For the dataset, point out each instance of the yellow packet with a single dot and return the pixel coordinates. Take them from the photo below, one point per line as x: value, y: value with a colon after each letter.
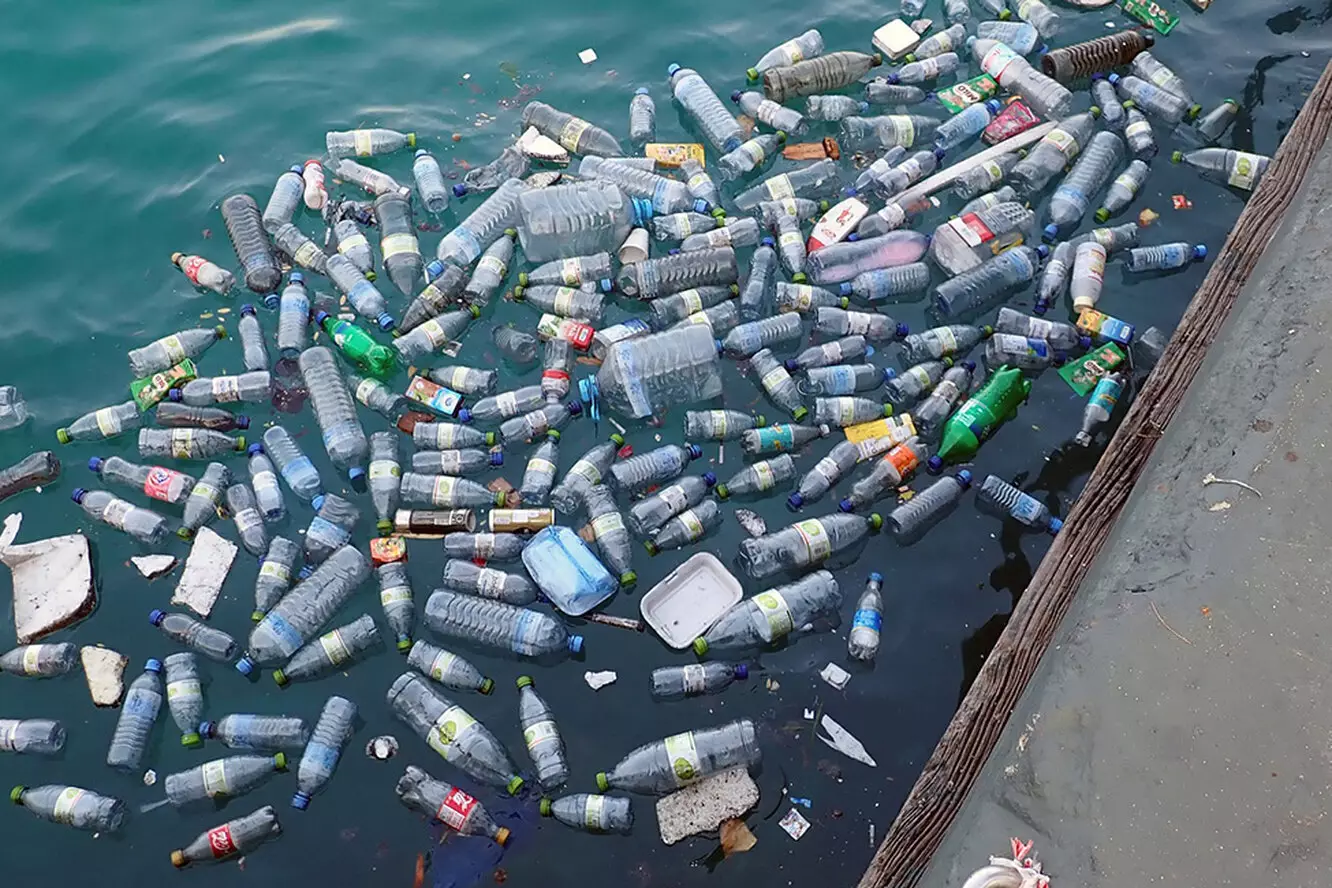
x: 899, y: 428
x: 673, y: 154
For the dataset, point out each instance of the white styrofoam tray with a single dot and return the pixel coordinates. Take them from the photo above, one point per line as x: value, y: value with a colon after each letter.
x: 690, y: 599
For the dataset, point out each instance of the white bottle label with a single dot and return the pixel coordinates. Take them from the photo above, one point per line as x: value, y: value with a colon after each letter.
x: 571, y: 273
x: 9, y: 734
x: 541, y: 734
x: 334, y: 647
x: 275, y: 570
x: 442, y: 493
x: 1245, y: 170
x: 214, y: 775
x: 817, y: 542
x: 182, y: 444
x: 765, y: 478
x: 563, y: 304
x: 116, y: 513
x: 184, y: 689
x: 693, y: 525
x: 587, y: 470
x: 439, y: 667
x: 682, y: 753
x: 108, y: 423
x: 450, y: 725
x: 395, y: 594
x: 607, y: 524
x: 773, y: 607
x: 779, y: 187
x: 594, y: 812
x: 694, y: 677
x: 65, y: 803
x: 383, y: 468
x: 674, y: 497
x: 361, y: 143
x: 490, y: 583
x: 226, y: 389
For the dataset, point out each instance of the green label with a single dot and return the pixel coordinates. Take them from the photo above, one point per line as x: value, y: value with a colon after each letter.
x: 1151, y: 14
x: 962, y: 95
x: 152, y: 389
x: 1083, y: 374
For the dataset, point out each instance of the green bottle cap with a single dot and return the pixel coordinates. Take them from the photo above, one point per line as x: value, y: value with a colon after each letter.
x: 544, y: 807
x: 404, y: 644
x: 191, y: 740
x: 524, y: 681
x: 280, y: 760
x: 220, y: 331
x: 651, y: 548
x: 16, y: 794
x: 603, y: 783
x: 62, y: 435
x: 876, y: 521
x: 256, y: 615
x: 515, y: 784
x: 799, y: 413
x: 1102, y: 214
x: 628, y: 578
x: 487, y: 685
x: 752, y: 73
x: 280, y: 677
x: 723, y: 491
x: 700, y: 646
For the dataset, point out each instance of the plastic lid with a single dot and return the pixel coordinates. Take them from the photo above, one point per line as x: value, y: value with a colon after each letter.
x: 934, y: 465
x: 497, y: 458
x: 62, y: 435
x: 702, y: 206
x: 174, y: 395
x: 672, y: 68
x: 628, y: 578
x: 256, y: 615
x: 300, y: 801
x: 296, y: 278
x: 405, y: 643
x: 16, y: 794
x: 1055, y: 525
x: 487, y: 685
x: 153, y: 665
x: 723, y: 491
x: 700, y: 646
x: 386, y: 322
x: 318, y: 502
x: 875, y: 577
x: 1112, y: 77
x: 95, y: 464
x: 710, y: 478
x: 791, y: 364
x: 544, y: 807
x: 254, y: 448
x: 603, y: 783
x: 1043, y: 251
x: 77, y: 494
x: 794, y: 501
x: 156, y: 616
x: 208, y: 729
x: 606, y: 285
x: 464, y: 415
x: 875, y: 521
x: 515, y: 784
x: 575, y: 644
x: 617, y: 438
x: 247, y: 309
x: 1102, y: 214
x: 1193, y: 112
x: 1085, y: 342
x: 735, y: 93
x: 850, y: 191
x: 1050, y: 232
x: 1200, y: 252
x: 964, y: 478
x: 184, y: 533
x: 178, y: 859
x: 242, y: 421
x: 799, y: 278
x: 321, y: 316
x: 281, y: 761
x: 994, y: 105
x: 641, y: 91
x: 652, y: 548
x: 1176, y: 156
x: 522, y: 280
x: 938, y: 154
x: 846, y: 506
x: 191, y: 739
x: 524, y: 681
x: 245, y: 666
x: 903, y: 331
x: 799, y: 413
x: 574, y: 408
x: 220, y: 331
x: 695, y: 451
x: 552, y: 435
x: 421, y: 152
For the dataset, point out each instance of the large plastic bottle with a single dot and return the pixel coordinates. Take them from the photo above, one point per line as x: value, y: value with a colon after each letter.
x: 965, y: 242
x: 681, y: 759
x: 165, y: 353
x: 184, y: 696
x: 1048, y: 98
x: 769, y: 113
x: 497, y: 625
x: 31, y: 736
x: 72, y: 806
x: 664, y: 196
x: 260, y: 733
x: 254, y: 387
x: 452, y: 732
x: 590, y: 812
x: 210, y: 641
x: 575, y: 134
x: 1037, y: 14
x: 223, y: 778
x: 671, y: 274
x: 878, y: 134
x: 738, y: 231
x: 940, y: 342
x: 297, y: 470
x: 344, y: 439
x: 826, y: 73
x: 804, y: 544
x: 819, y: 179
x: 143, y: 524
x: 239, y: 836
x: 831, y: 469
x: 1123, y: 189
x: 645, y: 376
x: 768, y: 474
x: 138, y: 714
x: 699, y: 101
x: 157, y: 482
x: 653, y: 467
x: 976, y: 289
x: 449, y: 805
x: 331, y: 651
x: 1153, y: 99
x: 40, y: 660
x: 770, y: 616
x: 398, y: 244
x: 331, y: 527
x: 305, y: 609
x: 914, y: 518
x: 180, y: 416
x: 609, y: 532
x: 1238, y: 169
x: 447, y: 436
x: 447, y: 668
x: 245, y: 228
x: 808, y: 45
x: 845, y: 379
x: 1056, y: 150
x: 666, y: 310
x: 487, y: 582
x: 584, y: 217
x: 464, y: 244
x: 842, y: 262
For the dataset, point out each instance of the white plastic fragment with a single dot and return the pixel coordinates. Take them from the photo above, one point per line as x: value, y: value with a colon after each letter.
x: 795, y: 825
x: 835, y: 675
x: 205, y: 571
x: 587, y: 56
x: 153, y: 566
x: 53, y: 580
x: 842, y: 740
x: 598, y: 680
x: 539, y: 147
x: 701, y: 807
x: 104, y: 669
x: 149, y: 777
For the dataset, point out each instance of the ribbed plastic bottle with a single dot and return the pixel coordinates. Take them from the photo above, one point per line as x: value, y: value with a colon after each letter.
x: 903, y: 283
x: 277, y: 569
x: 977, y: 288
x: 210, y: 641
x: 963, y: 243
x: 1164, y: 257
x: 1048, y: 98
x: 464, y: 244
x: 449, y: 805
x: 257, y: 733
x: 824, y: 74
x: 138, y: 714
x: 296, y: 468
x: 72, y: 806
x: 835, y: 108
x: 987, y: 176
x: 1238, y: 169
x: 31, y: 736
x: 842, y: 262
x: 769, y: 113
x: 997, y: 497
x: 804, y: 544
x: 542, y: 736
x: 575, y: 134
x: 1153, y: 99
x: 880, y: 92
x: 497, y: 625
x: 695, y: 679
x: 184, y: 697
x: 770, y: 616
x: 320, y: 758
x: 1056, y: 150
x: 180, y: 416
x: 329, y: 652
x: 671, y: 274
x: 819, y: 179
x: 344, y: 439
x: 644, y: 376
x: 1092, y: 170
x: 40, y: 660
x: 245, y: 228
x: 224, y: 778
x: 878, y: 134
x: 487, y: 582
x: 1069, y: 63
x: 862, y: 641
x: 931, y: 413
x: 914, y: 518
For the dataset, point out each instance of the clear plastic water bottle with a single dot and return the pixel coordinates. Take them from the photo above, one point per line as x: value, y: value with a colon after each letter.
x: 31, y: 736
x: 449, y: 805
x: 819, y: 179
x: 286, y: 197
x: 671, y: 274
x: 138, y: 714
x: 738, y: 231
x: 930, y: 414
x: 203, y: 273
x: 248, y: 519
x: 535, y: 424
x: 448, y: 668
x: 1113, y: 115
x: 678, y: 226
x: 965, y: 126
x: 487, y: 582
x: 590, y: 469
x: 542, y: 736
x: 330, y: 529
x: 142, y: 524
x: 1138, y: 133
x: 590, y: 812
x: 293, y: 317
x: 367, y: 142
x: 845, y: 379
x: 904, y: 283
x: 305, y: 609
x: 880, y: 92
x: 1238, y: 169
x: 1037, y: 14
x: 571, y: 272
x: 791, y: 247
x: 644, y: 376
x: 770, y: 616
x: 835, y: 108
x: 539, y: 473
x: 950, y: 39
x: 878, y: 134
x: 694, y: 679
x: 827, y: 472
x: 430, y: 182
x: 364, y: 298
x: 914, y: 518
x: 1064, y: 337
x: 455, y: 462
x: 1048, y: 98
x: 681, y: 759
x: 252, y: 388
x: 767, y: 474
x: 184, y: 696
x: 72, y: 806
x: 1104, y: 153
x: 871, y: 177
x: 213, y: 643
x: 751, y: 155
x: 1149, y: 68
x: 224, y: 778
x: 187, y: 443
x: 180, y: 416
x: 978, y: 287
x: 446, y: 492
x: 157, y: 482
x: 804, y: 544
x: 774, y: 378
x: 608, y: 530
x: 654, y: 467
x: 464, y: 244
x: 1168, y: 106
x: 1088, y: 276
x: 1023, y: 352
x: 297, y: 470
x: 13, y: 408
x: 842, y: 262
x: 748, y: 339
x: 1120, y: 237
x: 449, y: 436
x: 963, y: 243
x: 245, y: 228
x: 987, y: 176
x: 466, y: 380
x: 257, y: 733
x: 398, y: 245
x: 329, y: 652
x: 642, y: 118
x: 165, y: 353
x: 378, y: 397
x: 372, y: 181
x: 769, y: 113
x: 862, y: 642
x: 205, y: 499
x: 512, y: 162
x: 699, y: 101
x: 434, y: 334
x: 889, y: 178
x: 842, y: 412
x: 649, y: 514
x: 824, y: 74
x: 804, y: 299
x: 446, y: 282
x: 1213, y: 125
x: 985, y: 201
x: 904, y: 389
x: 353, y: 245
x: 41, y: 660
x: 567, y: 302
x: 255, y: 355
x: 997, y: 497
x: 344, y: 439
x: 504, y: 405
x: 1164, y: 257
x: 663, y: 195
x: 806, y: 46
x: 925, y: 70
x: 277, y: 569
x: 558, y: 356
x: 667, y: 310
x: 498, y: 625
x: 395, y: 596
x: 1056, y: 150
x: 1123, y: 189
x: 1021, y: 36
x: 575, y: 134
x: 888, y: 474
x: 320, y: 758
x: 700, y: 183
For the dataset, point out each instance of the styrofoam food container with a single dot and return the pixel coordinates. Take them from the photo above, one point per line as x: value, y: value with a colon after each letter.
x: 690, y: 599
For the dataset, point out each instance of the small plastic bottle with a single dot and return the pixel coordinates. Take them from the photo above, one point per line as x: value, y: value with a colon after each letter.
x: 1123, y: 189
x: 395, y: 596
x: 689, y: 526
x: 213, y: 643
x: 330, y: 651
x: 487, y: 582
x: 248, y: 519
x: 108, y: 422
x: 223, y: 778
x: 997, y: 497
x: 320, y: 758
x: 668, y: 764
x: 449, y: 805
x: 1088, y: 276
x: 72, y: 806
x: 694, y: 679
x: 539, y: 473
x: 590, y: 812
x: 259, y: 733
x: 761, y: 476
x: 31, y: 736
x: 143, y: 524
x: 40, y: 660
x: 1164, y: 257
x: 277, y: 569
x: 430, y: 182
x: 779, y: 438
x: 143, y: 701
x: 542, y: 736
x: 642, y: 118
x: 914, y: 518
x: 862, y: 642
x: 204, y: 500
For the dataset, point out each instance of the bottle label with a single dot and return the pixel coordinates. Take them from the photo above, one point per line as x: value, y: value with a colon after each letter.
x: 541, y: 467
x: 507, y: 404
x: 1245, y: 170
x: 542, y: 734
x: 117, y: 512
x: 445, y: 435
x: 682, y: 753
x: 108, y: 423
x: 206, y: 491
x: 674, y: 498
x: 65, y: 803
x: 1161, y: 77
x: 872, y: 447
x: 483, y: 545
x: 993, y: 171
x: 947, y: 340
x: 174, y: 348
x: 182, y: 445
x: 159, y: 482
x: 214, y: 776
x: 263, y: 482
x: 184, y: 689
x: 365, y: 388
x: 335, y: 648
x: 903, y: 459
x: 571, y: 272
x: 286, y: 636
x: 490, y: 583
x: 686, y: 227
x: 777, y: 438
x: 220, y: 841
x: 275, y: 570
x: 9, y: 734
x: 764, y: 477
x: 324, y: 531
x: 779, y: 187
x: 867, y: 618
x: 1093, y: 266
x: 1106, y: 394
x: 247, y: 518
x: 455, y: 809
x: 694, y: 677
x: 1136, y: 128
x: 846, y: 410
x: 434, y: 333
x: 827, y: 467
x: 947, y: 391
x: 451, y: 725
x: 380, y: 469
x: 1027, y: 509
x: 440, y: 666
x: 818, y: 545
x: 971, y: 229
x: 773, y: 607
x: 563, y: 303
x: 692, y: 524
x: 526, y: 630
x: 538, y: 423
x: 790, y: 239
x: 608, y: 523
x: 32, y: 655
x: 572, y: 132
x: 395, y: 595
x: 719, y: 237
x: 492, y: 263
x: 1127, y: 181
x: 1064, y: 141
x: 361, y: 143
x: 920, y: 376
x: 352, y: 242
x: 774, y: 377
x: 191, y: 266
x: 910, y: 167
x: 929, y: 69
x: 804, y: 297
x: 225, y: 389
x: 594, y: 812
x: 441, y: 494
x: 997, y: 60
x: 753, y: 149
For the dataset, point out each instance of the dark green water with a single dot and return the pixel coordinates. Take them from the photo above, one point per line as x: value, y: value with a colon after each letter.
x: 117, y: 118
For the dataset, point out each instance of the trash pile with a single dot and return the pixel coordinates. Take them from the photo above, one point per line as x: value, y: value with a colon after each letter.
x: 665, y: 282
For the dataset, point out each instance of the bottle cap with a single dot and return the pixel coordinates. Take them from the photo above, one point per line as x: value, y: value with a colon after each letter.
x: 964, y: 478
x: 296, y: 278
x: 889, y: 374
x: 617, y: 438
x: 78, y: 494
x: 254, y: 448
x: 95, y: 464
x: 153, y: 665
x: 794, y: 502
x: 710, y: 479
x: 846, y: 506
x: 938, y: 154
x: 628, y: 578
x: 672, y: 68
x: 178, y: 859
x: 1043, y: 251
x: 702, y: 206
x: 1200, y: 252
x: 464, y: 415
x: 574, y: 408
x: 62, y: 435
x: 247, y: 309
x: 242, y: 421
x: 256, y: 615
x: 850, y: 191
x: 245, y: 666
x: 1102, y: 214
x: 386, y: 322
x: 1193, y: 112
x: 497, y: 458
x: 318, y: 502
x: 1085, y: 342
x: 321, y: 316
x: 220, y: 331
x: 575, y: 644
x: 893, y: 79
x: 799, y: 278
x: 695, y: 451
x: 156, y: 616
x: 700, y: 646
x: 875, y: 521
x: 1050, y: 233
x: 421, y: 152
x: 875, y: 577
x: 544, y: 807
x: 16, y: 794
x: 735, y: 94
x: 191, y: 739
x: 518, y: 292
x: 487, y: 685
x: 641, y: 91
x: 280, y: 760
x: 208, y: 729
x: 174, y: 395
x: 524, y: 681
x: 502, y: 836
x: 934, y: 465
x: 300, y: 801
x: 791, y: 364
x: 799, y: 413
x: 605, y: 285
x: 1055, y: 525
x: 723, y: 491
x: 522, y: 280
x: 281, y: 678
x: 515, y: 784
x: 184, y: 533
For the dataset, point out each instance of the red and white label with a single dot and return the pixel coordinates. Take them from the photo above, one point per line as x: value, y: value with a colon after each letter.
x: 971, y: 229
x: 192, y: 266
x: 837, y: 223
x: 456, y: 807
x: 220, y: 841
x: 159, y: 482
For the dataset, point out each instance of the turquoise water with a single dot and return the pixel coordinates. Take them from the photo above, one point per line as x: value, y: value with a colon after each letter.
x: 126, y: 125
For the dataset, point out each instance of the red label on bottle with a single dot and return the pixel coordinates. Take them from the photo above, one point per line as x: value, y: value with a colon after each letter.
x: 554, y: 374
x: 158, y: 483
x: 1015, y: 118
x: 220, y: 841
x: 455, y: 808
x: 972, y: 221
x: 192, y: 266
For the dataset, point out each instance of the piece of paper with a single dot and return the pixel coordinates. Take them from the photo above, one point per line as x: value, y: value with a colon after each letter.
x: 587, y: 56
x: 795, y: 825
x: 598, y: 680
x: 842, y: 740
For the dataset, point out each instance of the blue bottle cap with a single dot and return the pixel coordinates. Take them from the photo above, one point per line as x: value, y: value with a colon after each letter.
x: 209, y: 728
x: 296, y: 168
x: 969, y: 366
x: 464, y: 415
x: 320, y: 316
x: 247, y: 309
x: 672, y: 68
x: 935, y: 465
x: 792, y: 365
x: 794, y: 502
x: 735, y: 95
x: 720, y: 345
x: 317, y: 502
x: 434, y: 268
x: 606, y: 285
x: 938, y: 154
x: 156, y: 616
x: 254, y: 448
x: 695, y: 451
x: 153, y: 665
x: 701, y: 206
x: 1113, y: 78
x: 1055, y: 525
x: 355, y: 473
x: 272, y: 300
x: 1050, y: 233
x: 574, y: 408
x: 1043, y: 251
x: 1200, y: 252
x: 993, y: 105
x: 242, y: 421
x: 875, y: 577
x: 845, y: 505
x: 77, y: 494
x: 95, y: 464
x: 903, y: 331
x: 174, y: 396
x: 889, y: 374
x: 296, y: 278
x: 768, y: 241
x: 964, y: 478
x: 741, y: 670
x: 641, y: 91
x: 710, y: 479
x: 1085, y: 342
x: 459, y: 189
x: 245, y: 666
x: 844, y: 289
x: 893, y: 79
x: 849, y: 191
x: 497, y: 458
x: 300, y: 801
x: 852, y: 238
x: 575, y: 644
x: 386, y: 322
x: 1098, y: 76
x: 304, y: 575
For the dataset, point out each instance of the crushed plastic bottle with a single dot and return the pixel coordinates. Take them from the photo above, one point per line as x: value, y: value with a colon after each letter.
x: 1047, y: 97
x: 330, y: 529
x: 448, y: 804
x: 575, y: 134
x: 72, y: 806
x: 976, y: 289
x: 997, y: 497
x: 277, y: 569
x: 824, y: 74
x: 804, y: 544
x: 205, y: 499
x: 1238, y: 169
x: 210, y: 641
x: 842, y: 262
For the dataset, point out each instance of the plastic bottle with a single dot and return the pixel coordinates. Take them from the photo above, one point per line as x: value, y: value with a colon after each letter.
x: 449, y: 805
x: 32, y: 471
x: 258, y: 733
x: 828, y: 471
x: 344, y: 439
x: 367, y: 142
x: 791, y: 247
x: 736, y: 232
x: 700, y: 183
x: 824, y: 74
x: 804, y: 544
x: 446, y: 283
x: 985, y: 201
x: 1056, y: 150
x: 558, y: 356
x: 889, y: 178
x: 834, y: 108
x: 203, y: 273
x: 498, y: 625
x: 539, y: 473
x: 1213, y: 125
x: 395, y: 596
x: 966, y: 125
x: 666, y: 765
x: 888, y: 473
x: 1238, y: 169
x: 378, y: 397
x: 883, y: 133
x: 286, y: 197
x: 447, y: 668
x: 914, y: 518
x: 1113, y: 115
x: 398, y: 245
x: 535, y: 424
x: 1120, y: 237
x: 642, y: 118
x: 331, y: 527
x: 1148, y: 68
x: 940, y: 342
x: 844, y: 379
x: 650, y: 513
x: 354, y: 246
x: 1100, y: 407
x: 1164, y: 257
x: 644, y: 376
x: 465, y: 243
x: 925, y: 69
x: 818, y: 179
x: 929, y: 415
x: 693, y: 679
x: 964, y: 243
x: 293, y: 317
x: 1104, y: 153
x: 671, y: 274
x: 689, y: 526
x: 1138, y: 133
x: 173, y: 415
x: 184, y: 696
x: 862, y: 642
x: 72, y: 806
x: 448, y: 436
x: 1123, y: 189
x: 769, y: 113
x: 305, y: 609
x: 542, y: 736
x: 296, y: 468
x: 31, y: 736
x: 204, y: 500
x: 486, y: 582
x: 510, y: 163
x: 774, y: 378
x: 143, y: 700
x: 806, y: 46
x: 452, y: 732
x: 590, y: 812
x: 165, y: 353
x: 248, y: 519
x: 975, y: 289
x: 770, y: 616
x: 1048, y: 98
x: 239, y: 836
x: 654, y: 467
x: 1064, y: 337
x: 714, y: 120
x: 764, y: 475
x: 994, y: 403
x: 430, y: 182
x: 880, y: 92
x: 568, y: 302
x: 575, y: 134
x: 590, y: 469
x: 842, y: 262
x: 803, y: 298
x: 331, y: 651
x: 841, y: 412
x: 157, y: 482
x: 454, y: 462
x: 1171, y: 108
x: 241, y: 215
x: 571, y: 272
x: 663, y: 195
x: 1069, y: 63
x: 371, y: 180
x: 666, y: 310
x: 987, y: 176
x: 1088, y: 275
x: 587, y: 216
x: 678, y: 226
x: 997, y: 497
x: 253, y: 387
x: 213, y: 643
x: 41, y: 660
x: 276, y: 570
x: 904, y: 389
x: 1020, y: 36
x: 446, y: 491
x: 751, y: 155
x: 466, y: 380
x: 223, y: 778
x: 434, y: 334
x: 950, y: 39
x: 1025, y: 353
x: 142, y: 524
x: 364, y: 298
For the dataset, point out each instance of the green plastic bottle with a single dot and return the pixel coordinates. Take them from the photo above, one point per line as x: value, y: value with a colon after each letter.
x: 358, y: 346
x: 994, y: 403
